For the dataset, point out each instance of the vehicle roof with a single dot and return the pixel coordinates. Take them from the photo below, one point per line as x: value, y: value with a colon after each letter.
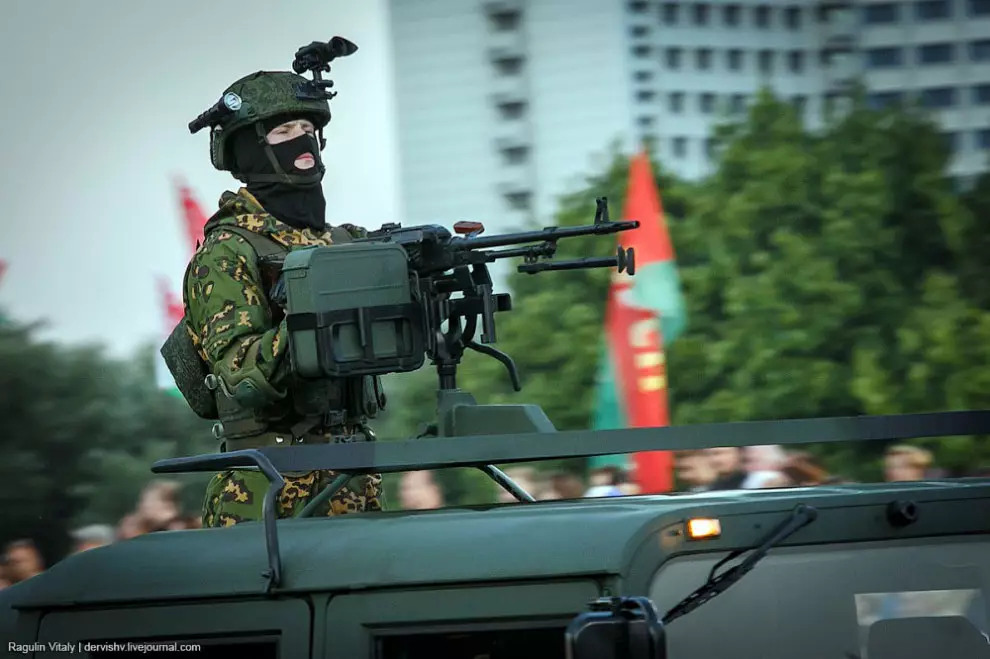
x: 376, y: 550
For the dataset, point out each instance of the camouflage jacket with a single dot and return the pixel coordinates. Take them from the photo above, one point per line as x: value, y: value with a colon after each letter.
x: 229, y: 316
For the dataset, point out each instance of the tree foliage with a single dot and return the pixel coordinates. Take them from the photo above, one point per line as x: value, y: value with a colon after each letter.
x: 78, y: 432
x: 826, y: 274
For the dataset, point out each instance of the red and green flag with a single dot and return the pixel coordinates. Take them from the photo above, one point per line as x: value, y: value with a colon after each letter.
x: 645, y: 313
x: 194, y: 219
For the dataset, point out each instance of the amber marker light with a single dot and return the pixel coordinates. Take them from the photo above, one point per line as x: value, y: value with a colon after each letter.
x: 703, y: 528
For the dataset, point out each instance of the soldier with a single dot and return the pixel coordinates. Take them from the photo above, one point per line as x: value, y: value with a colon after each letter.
x: 270, y: 139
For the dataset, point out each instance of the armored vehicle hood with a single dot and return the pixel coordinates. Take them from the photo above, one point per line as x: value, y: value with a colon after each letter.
x: 513, y: 542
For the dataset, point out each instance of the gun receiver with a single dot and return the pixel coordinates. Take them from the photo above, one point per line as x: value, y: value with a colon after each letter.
x: 384, y: 303
x: 444, y: 264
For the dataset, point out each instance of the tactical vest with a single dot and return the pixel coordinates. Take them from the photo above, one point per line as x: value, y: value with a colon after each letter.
x: 338, y: 405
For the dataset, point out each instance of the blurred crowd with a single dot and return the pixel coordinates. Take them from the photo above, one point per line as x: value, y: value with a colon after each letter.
x: 158, y: 507
x: 702, y: 470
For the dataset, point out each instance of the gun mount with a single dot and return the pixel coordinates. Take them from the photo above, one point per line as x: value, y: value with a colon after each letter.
x: 446, y: 265
x: 427, y: 295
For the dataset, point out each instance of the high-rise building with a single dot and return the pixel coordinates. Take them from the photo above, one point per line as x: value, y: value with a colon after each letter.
x: 938, y: 52
x: 504, y: 105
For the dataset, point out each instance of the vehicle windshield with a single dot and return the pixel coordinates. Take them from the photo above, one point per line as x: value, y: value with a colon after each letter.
x: 836, y: 601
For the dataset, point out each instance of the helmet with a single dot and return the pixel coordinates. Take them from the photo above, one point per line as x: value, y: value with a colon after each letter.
x: 261, y: 96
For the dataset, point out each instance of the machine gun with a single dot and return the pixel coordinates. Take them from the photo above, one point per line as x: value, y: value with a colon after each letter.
x: 386, y: 302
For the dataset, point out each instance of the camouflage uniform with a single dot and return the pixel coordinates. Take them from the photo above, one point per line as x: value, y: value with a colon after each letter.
x: 230, y: 321
x: 240, y: 334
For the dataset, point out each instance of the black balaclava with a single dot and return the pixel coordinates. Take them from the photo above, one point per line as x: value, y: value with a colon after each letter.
x: 294, y: 196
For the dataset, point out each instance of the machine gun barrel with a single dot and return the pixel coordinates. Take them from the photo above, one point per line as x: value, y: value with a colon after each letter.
x: 549, y: 234
x: 576, y: 264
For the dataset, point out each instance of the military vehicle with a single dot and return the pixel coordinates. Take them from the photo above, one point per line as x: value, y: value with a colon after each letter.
x: 818, y: 572
x: 830, y: 572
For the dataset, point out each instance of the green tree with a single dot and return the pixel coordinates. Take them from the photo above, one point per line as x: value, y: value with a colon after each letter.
x: 78, y: 432
x: 827, y: 273
x: 554, y: 332
x: 828, y: 282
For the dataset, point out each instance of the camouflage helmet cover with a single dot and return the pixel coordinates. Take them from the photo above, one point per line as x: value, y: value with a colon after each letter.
x: 261, y: 96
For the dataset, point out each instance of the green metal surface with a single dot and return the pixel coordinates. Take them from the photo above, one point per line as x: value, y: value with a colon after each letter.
x: 375, y: 550
x: 547, y: 540
x: 494, y: 448
x: 322, y: 280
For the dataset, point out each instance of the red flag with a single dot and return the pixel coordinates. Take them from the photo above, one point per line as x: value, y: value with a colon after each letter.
x: 171, y: 303
x: 3, y: 269
x: 194, y: 219
x: 634, y: 332
x: 193, y: 214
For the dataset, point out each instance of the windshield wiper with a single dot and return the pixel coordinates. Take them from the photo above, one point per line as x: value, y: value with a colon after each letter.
x: 801, y: 516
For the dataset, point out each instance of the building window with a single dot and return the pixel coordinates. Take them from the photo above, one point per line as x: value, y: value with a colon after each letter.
x: 645, y: 95
x: 979, y: 7
x: 516, y: 155
x: 881, y: 13
x: 979, y: 51
x: 881, y: 100
x: 938, y: 97
x: 643, y: 76
x: 932, y: 10
x: 884, y: 58
x: 679, y: 145
x: 505, y: 20
x: 710, y: 148
x: 936, y: 53
x: 735, y: 59
x: 669, y: 12
x: 835, y: 103
x: 638, y: 6
x: 703, y: 58
x: 981, y: 95
x: 983, y: 139
x: 511, y: 111
x: 673, y: 57
x: 952, y: 141
x: 641, y: 50
x: 508, y: 65
x: 707, y: 103
x: 645, y: 122
x: 792, y: 18
x: 676, y: 102
x: 766, y: 61
x: 701, y: 14
x: 762, y: 16
x: 519, y: 201
x: 738, y: 104
x: 800, y: 103
x: 639, y: 30
x: 795, y: 61
x: 731, y: 14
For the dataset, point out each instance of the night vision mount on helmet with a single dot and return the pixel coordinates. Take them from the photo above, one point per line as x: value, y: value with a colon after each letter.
x: 264, y: 95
